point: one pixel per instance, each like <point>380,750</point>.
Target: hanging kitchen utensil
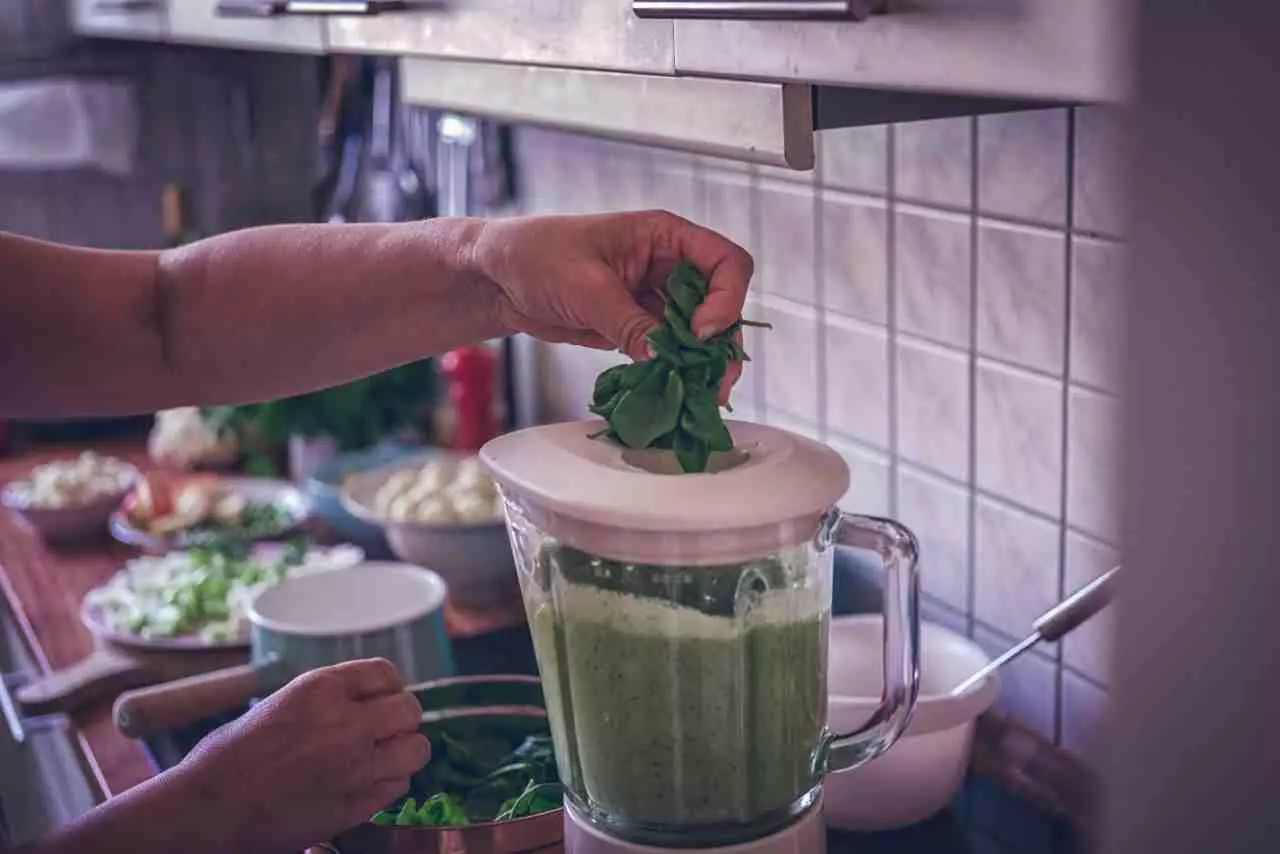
<point>1055,623</point>
<point>391,610</point>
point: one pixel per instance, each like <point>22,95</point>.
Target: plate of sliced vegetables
<point>165,511</point>
<point>198,599</point>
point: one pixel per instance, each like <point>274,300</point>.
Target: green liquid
<point>669,716</point>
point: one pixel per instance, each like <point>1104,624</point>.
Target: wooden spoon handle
<point>101,674</point>
<point>147,711</point>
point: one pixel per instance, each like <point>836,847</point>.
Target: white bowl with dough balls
<point>441,511</point>
<point>921,773</point>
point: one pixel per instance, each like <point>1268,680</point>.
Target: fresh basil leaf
<point>692,452</point>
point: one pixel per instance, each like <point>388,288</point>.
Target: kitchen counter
<point>44,588</point>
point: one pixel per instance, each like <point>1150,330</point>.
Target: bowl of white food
<point>71,500</point>
<point>442,512</point>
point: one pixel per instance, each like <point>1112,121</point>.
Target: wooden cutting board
<point>112,668</point>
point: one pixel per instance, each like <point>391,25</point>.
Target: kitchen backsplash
<point>945,299</point>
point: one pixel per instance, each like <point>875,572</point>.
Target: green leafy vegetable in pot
<point>671,402</point>
<point>480,778</point>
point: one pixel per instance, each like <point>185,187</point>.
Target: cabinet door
<point>769,123</point>
<point>601,34</point>
<point>126,19</point>
<point>244,23</point>
<point>1043,49</point>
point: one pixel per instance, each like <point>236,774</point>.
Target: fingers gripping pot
<point>681,626</point>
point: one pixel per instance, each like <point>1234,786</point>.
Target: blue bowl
<point>325,490</point>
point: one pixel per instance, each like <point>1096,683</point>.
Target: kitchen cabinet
<point>127,19</point>
<point>601,34</point>
<point>245,23</point>
<point>769,123</point>
<point>1046,50</point>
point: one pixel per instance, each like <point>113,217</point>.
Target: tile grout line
<point>971,522</point>
<point>820,288</point>
<point>891,314</point>
<point>1068,288</point>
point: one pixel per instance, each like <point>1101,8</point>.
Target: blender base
<point>806,836</point>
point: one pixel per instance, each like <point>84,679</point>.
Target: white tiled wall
<point>945,297</point>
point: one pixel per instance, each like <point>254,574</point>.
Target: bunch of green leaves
<point>671,402</point>
<point>356,414</point>
<point>442,810</point>
<point>480,779</point>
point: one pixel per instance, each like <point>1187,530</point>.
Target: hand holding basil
<point>671,402</point>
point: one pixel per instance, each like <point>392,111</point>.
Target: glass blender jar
<point>680,623</point>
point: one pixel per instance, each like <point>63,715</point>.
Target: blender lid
<point>772,477</point>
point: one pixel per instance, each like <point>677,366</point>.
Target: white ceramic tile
<point>1022,296</point>
<point>855,158</point>
<point>791,363</point>
<point>868,479</point>
<point>1019,441</point>
<point>936,612</point>
<point>1028,684</point>
<point>857,363</point>
<point>1022,165</point>
<point>933,407</point>
<point>1097,311</point>
<point>1084,710</point>
<point>1016,561</point>
<point>933,161</point>
<point>1100,204</point>
<point>625,182</point>
<point>577,159</point>
<point>676,190</point>
<point>783,421</point>
<point>1088,648</point>
<point>1093,463</point>
<point>782,173</point>
<point>786,262</point>
<point>932,269</point>
<point>937,511</point>
<point>748,396</point>
<point>727,203</point>
<point>855,238</point>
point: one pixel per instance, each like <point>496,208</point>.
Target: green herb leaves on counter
<point>671,402</point>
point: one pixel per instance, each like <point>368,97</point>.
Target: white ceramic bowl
<point>474,560</point>
<point>74,523</point>
<point>921,773</point>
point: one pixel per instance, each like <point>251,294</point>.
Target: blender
<point>680,623</point>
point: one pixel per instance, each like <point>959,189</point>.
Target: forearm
<point>163,815</point>
<point>251,315</point>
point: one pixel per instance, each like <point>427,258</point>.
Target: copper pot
<point>456,699</point>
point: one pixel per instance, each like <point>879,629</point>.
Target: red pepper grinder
<point>471,372</point>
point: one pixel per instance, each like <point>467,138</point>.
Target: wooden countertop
<point>44,589</point>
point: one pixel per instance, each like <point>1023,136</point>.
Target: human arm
<point>280,310</point>
<point>320,755</point>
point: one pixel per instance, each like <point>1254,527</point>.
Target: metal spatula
<point>1054,623</point>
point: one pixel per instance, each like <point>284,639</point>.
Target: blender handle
<point>899,552</point>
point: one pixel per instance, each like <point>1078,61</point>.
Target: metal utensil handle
<point>10,711</point>
<point>1078,607</point>
<point>271,8</point>
<point>759,10</point>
